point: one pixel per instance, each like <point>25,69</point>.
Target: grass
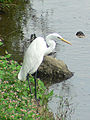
<point>5,1</point>
<point>16,102</point>
<point>6,4</point>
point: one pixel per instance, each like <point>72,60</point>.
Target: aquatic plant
<point>5,4</point>
<point>16,102</point>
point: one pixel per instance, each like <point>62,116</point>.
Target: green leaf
<point>49,94</point>
<point>8,55</point>
<point>1,43</point>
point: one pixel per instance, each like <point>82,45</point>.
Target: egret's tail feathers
<point>21,75</point>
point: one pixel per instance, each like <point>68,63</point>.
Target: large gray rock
<point>53,70</point>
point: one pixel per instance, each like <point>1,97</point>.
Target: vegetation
<point>1,43</point>
<point>16,102</point>
<point>5,3</point>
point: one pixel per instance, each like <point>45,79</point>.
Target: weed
<point>16,102</point>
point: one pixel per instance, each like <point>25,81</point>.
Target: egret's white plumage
<point>36,51</point>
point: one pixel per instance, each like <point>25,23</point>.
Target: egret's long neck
<point>51,46</point>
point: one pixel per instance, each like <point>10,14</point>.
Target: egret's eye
<point>58,37</point>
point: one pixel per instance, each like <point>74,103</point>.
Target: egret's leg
<point>35,89</point>
<point>35,78</point>
<point>27,78</point>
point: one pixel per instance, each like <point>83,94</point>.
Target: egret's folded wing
<point>33,58</point>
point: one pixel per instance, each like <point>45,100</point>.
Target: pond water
<point>65,17</point>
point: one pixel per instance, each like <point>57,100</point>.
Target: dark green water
<point>11,30</point>
<point>65,17</point>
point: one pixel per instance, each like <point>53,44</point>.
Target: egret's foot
<point>37,101</point>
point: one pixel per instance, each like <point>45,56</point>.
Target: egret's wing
<point>33,57</point>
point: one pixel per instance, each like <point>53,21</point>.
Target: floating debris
<point>80,34</point>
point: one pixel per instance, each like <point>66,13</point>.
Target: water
<point>65,17</point>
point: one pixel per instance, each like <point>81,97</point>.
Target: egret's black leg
<point>27,78</point>
<point>35,89</point>
<point>35,78</point>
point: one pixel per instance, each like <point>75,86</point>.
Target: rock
<point>53,70</point>
<point>80,34</point>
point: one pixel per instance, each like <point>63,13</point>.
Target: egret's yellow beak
<point>65,41</point>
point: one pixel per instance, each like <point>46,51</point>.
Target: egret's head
<point>55,36</point>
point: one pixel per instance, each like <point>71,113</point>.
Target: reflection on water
<point>10,29</point>
<point>37,22</point>
<point>17,26</point>
<point>62,103</point>
<point>65,17</point>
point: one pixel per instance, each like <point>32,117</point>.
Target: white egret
<point>34,55</point>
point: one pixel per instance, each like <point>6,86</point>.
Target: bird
<point>35,53</point>
<point>26,42</point>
